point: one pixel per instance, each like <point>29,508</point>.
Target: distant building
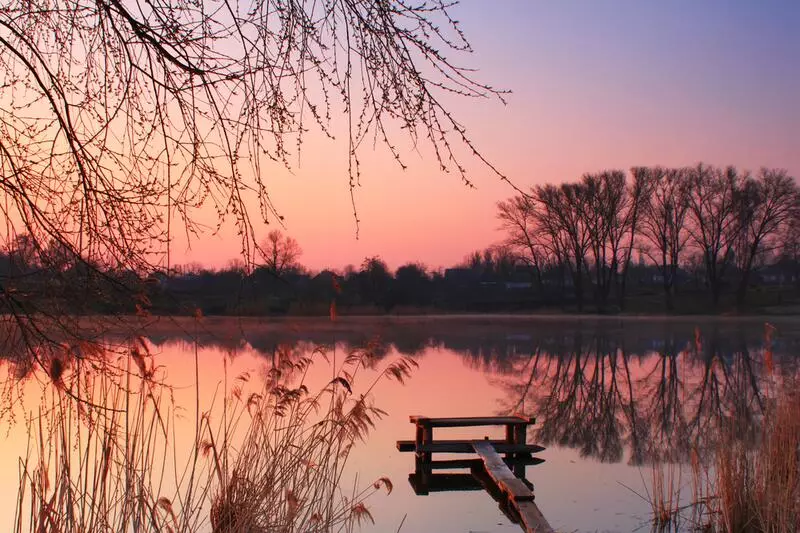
<point>781,273</point>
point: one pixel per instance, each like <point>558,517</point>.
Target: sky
<point>594,86</point>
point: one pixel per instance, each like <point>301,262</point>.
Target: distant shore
<point>413,332</point>
<point>361,328</point>
<point>375,323</point>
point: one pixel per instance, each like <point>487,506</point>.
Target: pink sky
<point>592,89</point>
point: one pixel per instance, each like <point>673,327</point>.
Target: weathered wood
<point>471,421</point>
<point>491,488</point>
<point>427,439</point>
<point>465,446</point>
<point>491,471</point>
<point>499,472</point>
<point>520,496</point>
<point>520,434</point>
<point>532,518</point>
<point>447,464</point>
<point>423,484</point>
<point>520,437</point>
<point>511,434</point>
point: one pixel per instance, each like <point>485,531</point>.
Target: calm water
<point>610,396</point>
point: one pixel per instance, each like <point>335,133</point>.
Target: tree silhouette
<point>280,253</point>
<point>766,205</point>
<point>375,282</point>
<point>712,222</point>
<point>412,286</point>
<point>663,229</point>
<point>523,236</point>
<point>716,222</point>
<point>122,119</point>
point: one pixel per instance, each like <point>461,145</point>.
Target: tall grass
<point>665,498</point>
<point>739,487</point>
<point>759,490</point>
<point>742,489</point>
<point>104,452</point>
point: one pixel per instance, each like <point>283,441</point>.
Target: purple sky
<point>595,85</point>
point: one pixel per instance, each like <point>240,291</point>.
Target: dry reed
<point>759,490</point>
<point>103,454</point>
<point>743,489</point>
<point>665,498</point>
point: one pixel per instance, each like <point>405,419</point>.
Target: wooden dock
<point>502,477</point>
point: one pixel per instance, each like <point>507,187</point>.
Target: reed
<point>665,498</point>
<point>743,489</point>
<point>759,489</point>
<point>270,455</point>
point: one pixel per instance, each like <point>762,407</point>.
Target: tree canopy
<point>121,119</point>
<point>588,230</point>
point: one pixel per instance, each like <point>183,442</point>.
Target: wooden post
<point>422,461</point>
<point>510,439</point>
<point>418,437</point>
<point>427,438</point>
<point>520,437</point>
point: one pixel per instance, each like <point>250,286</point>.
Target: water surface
<point>611,396</point>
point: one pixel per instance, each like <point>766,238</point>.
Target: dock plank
<point>449,464</point>
<point>465,446</point>
<point>471,421</point>
<point>500,473</point>
<point>520,496</point>
<point>503,503</point>
<point>533,519</point>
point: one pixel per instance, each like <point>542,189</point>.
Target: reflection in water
<point>113,442</point>
<point>612,389</point>
<point>596,396</point>
<point>617,392</point>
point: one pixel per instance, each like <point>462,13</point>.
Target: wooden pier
<point>503,477</point>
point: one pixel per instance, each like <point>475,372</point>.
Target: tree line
<point>589,245</point>
<point>721,223</point>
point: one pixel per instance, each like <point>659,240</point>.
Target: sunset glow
<point>593,87</point>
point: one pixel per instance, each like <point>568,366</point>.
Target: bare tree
<point>591,227</point>
<point>524,237</point>
<point>562,216</point>
<point>604,211</point>
<point>637,193</point>
<point>765,206</point>
<point>121,119</point>
<point>663,225</point>
<point>280,253</point>
<point>504,261</point>
<point>554,242</point>
<point>713,224</point>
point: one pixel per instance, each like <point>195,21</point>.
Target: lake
<point>610,395</point>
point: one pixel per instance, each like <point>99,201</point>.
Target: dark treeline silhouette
<point>705,229</point>
<point>683,240</point>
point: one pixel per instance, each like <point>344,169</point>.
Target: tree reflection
<point>661,390</point>
<point>590,394</point>
<point>614,390</point>
<point>577,397</point>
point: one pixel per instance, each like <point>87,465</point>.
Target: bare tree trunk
<point>741,292</point>
<point>578,282</point>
